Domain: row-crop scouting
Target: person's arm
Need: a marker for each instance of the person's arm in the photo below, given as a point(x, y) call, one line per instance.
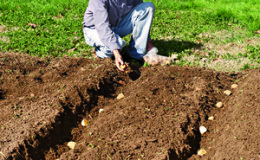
point(106, 35)
point(102, 25)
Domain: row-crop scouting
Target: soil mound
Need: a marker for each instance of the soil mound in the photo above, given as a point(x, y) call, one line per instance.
point(235, 132)
point(44, 100)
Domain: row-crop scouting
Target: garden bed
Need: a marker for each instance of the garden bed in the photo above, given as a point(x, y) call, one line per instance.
point(43, 102)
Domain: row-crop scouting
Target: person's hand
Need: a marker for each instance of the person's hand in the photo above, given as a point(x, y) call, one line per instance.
point(119, 61)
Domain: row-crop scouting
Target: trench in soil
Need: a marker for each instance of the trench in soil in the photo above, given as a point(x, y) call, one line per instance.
point(59, 132)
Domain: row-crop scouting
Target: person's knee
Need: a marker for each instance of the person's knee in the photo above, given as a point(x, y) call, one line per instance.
point(149, 6)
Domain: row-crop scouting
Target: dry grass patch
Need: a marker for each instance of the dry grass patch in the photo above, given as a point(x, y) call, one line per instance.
point(225, 65)
point(5, 39)
point(231, 48)
point(2, 28)
point(223, 42)
point(229, 65)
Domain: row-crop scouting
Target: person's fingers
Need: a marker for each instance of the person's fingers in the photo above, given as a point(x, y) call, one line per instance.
point(118, 64)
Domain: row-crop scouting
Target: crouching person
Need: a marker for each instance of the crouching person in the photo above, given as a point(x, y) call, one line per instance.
point(106, 22)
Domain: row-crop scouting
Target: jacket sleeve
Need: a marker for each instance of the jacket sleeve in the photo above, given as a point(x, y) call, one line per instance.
point(101, 20)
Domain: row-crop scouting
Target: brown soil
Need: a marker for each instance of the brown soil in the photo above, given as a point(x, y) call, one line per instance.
point(235, 132)
point(44, 100)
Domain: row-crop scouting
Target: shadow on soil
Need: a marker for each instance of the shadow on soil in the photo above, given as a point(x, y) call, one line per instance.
point(2, 93)
point(194, 144)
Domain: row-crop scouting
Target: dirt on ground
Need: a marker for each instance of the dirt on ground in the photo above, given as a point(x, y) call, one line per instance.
point(44, 100)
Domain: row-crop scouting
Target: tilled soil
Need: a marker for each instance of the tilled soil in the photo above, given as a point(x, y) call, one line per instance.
point(44, 100)
point(235, 132)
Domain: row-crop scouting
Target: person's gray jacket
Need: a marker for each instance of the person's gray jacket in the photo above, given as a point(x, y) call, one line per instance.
point(104, 14)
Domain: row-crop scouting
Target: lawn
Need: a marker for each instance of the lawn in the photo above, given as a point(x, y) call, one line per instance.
point(223, 35)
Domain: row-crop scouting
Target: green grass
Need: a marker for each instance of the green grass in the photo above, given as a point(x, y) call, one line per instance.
point(243, 12)
point(208, 26)
point(193, 29)
point(53, 35)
